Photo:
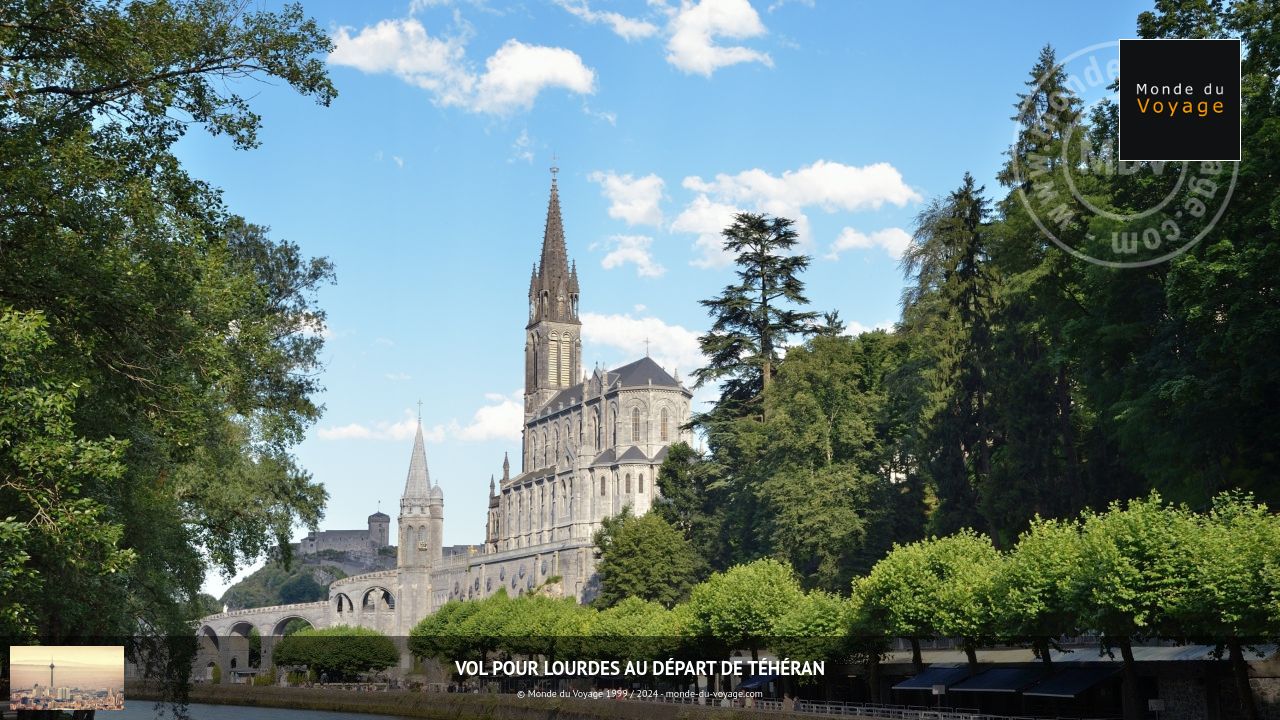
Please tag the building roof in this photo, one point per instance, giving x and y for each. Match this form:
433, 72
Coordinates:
418, 483
379, 516
639, 373
643, 372
634, 454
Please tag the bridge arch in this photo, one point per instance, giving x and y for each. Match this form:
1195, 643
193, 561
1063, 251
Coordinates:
378, 599
282, 625
343, 604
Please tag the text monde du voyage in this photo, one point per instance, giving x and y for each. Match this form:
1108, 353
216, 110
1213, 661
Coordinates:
630, 668
1179, 99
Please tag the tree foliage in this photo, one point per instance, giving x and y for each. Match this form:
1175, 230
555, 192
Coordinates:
342, 652
169, 347
643, 558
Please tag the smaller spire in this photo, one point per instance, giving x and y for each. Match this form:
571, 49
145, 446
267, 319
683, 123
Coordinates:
506, 467
418, 482
490, 485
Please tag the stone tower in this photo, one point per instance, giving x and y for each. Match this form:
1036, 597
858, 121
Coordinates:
553, 337
380, 529
421, 513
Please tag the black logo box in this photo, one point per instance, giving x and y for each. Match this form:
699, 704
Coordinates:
1160, 77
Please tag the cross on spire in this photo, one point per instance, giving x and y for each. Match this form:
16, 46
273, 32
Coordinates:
646, 347
419, 410
554, 167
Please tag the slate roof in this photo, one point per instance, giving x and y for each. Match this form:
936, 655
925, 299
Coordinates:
634, 374
633, 454
641, 372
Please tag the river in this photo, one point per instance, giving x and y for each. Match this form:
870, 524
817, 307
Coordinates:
146, 710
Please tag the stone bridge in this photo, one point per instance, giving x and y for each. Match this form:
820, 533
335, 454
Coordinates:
225, 637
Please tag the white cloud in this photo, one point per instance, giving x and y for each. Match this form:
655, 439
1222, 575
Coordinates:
516, 73
402, 429
829, 185
706, 219
398, 160
522, 148
779, 3
694, 28
501, 419
671, 346
853, 327
638, 201
627, 28
640, 307
512, 79
398, 377
893, 240
633, 249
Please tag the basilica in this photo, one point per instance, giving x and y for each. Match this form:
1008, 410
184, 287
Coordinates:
592, 445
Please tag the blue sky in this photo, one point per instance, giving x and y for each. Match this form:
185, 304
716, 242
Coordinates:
426, 183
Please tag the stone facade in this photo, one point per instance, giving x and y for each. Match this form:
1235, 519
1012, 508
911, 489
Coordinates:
592, 445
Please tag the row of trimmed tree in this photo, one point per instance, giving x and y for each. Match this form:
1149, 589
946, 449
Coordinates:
1142, 571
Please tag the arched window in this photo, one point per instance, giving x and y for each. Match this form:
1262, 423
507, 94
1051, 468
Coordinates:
566, 358
627, 487
635, 424
553, 358
555, 457
546, 449
602, 486
641, 482
664, 425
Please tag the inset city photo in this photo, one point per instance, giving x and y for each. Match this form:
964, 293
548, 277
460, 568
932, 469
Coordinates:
66, 677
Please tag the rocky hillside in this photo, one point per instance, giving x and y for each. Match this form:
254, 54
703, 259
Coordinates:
305, 580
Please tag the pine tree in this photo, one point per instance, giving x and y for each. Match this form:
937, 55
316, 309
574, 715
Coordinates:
754, 318
951, 303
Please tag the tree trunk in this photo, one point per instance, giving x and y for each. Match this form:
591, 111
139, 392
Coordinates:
1132, 702
873, 679
971, 654
1042, 647
1240, 671
916, 658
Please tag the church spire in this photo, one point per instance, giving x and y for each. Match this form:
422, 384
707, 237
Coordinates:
553, 343
418, 483
554, 287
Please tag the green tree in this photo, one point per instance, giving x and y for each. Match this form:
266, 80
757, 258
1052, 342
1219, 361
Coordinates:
753, 318
688, 502
341, 651
1032, 592
440, 635
742, 606
57, 534
949, 301
1232, 570
627, 548
632, 629
1128, 575
815, 628
826, 410
935, 587
185, 336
